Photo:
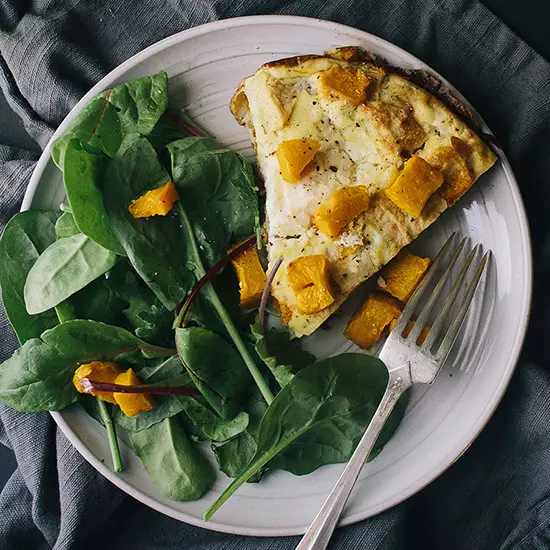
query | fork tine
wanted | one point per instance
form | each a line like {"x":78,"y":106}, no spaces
{"x":441,"y":317}
{"x":450,"y":337}
{"x":434,"y":296}
{"x":419,"y":292}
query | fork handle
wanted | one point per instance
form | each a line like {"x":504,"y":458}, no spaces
{"x":320,"y":531}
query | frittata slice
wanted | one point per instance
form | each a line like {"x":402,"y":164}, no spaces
{"x":357,"y":161}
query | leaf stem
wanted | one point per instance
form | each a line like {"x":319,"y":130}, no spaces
{"x":222,"y":311}
{"x":111,"y":434}
{"x":65,"y":312}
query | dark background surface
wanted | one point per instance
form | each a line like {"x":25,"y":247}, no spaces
{"x":530,"y":19}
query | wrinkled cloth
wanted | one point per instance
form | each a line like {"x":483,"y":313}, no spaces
{"x":497,"y":495}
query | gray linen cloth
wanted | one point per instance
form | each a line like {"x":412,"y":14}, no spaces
{"x":497,"y":495}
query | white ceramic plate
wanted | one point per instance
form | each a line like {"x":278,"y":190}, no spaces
{"x":205,"y":65}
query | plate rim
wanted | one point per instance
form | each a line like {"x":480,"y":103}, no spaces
{"x":461,"y":447}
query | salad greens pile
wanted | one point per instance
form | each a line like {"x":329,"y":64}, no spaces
{"x":92,"y":283}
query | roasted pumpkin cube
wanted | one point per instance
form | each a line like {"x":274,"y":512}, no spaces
{"x":156,"y":202}
{"x":251,"y":276}
{"x":98,"y":372}
{"x":408,"y":327}
{"x":414,"y":185}
{"x":294,"y":155}
{"x":453,"y":162}
{"x":309,"y":278}
{"x":344,"y":205}
{"x":284,"y":310}
{"x":345,"y":84}
{"x":367,"y":325}
{"x":403,"y":274}
{"x":132,"y":404}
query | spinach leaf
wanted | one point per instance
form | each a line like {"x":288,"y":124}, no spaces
{"x":343,"y":391}
{"x":217,"y":188}
{"x":215,"y":367}
{"x":150,"y":320}
{"x":131,"y":108}
{"x":82,"y":171}
{"x":283,"y":356}
{"x":65,"y":226}
{"x":64,"y":268}
{"x":224,"y":430}
{"x":236,"y":454}
{"x":167,"y":373}
{"x":25,"y":237}
{"x":154,"y":246}
{"x":38,"y":376}
{"x":176,"y":466}
{"x":98,"y":302}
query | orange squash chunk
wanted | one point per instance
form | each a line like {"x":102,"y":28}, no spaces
{"x":251,"y":275}
{"x":345,"y":84}
{"x":156,"y":202}
{"x":284,"y":310}
{"x":132,"y":404}
{"x":344,"y":205}
{"x":294,"y":155}
{"x":403,"y":274}
{"x":367,"y":325}
{"x":415,"y":184}
{"x":407,"y":330}
{"x":453,"y":162}
{"x":309,"y":278}
{"x":98,"y":372}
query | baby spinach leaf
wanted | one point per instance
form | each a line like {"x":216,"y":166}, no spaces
{"x":167,"y":373}
{"x":154,"y":246}
{"x":224,"y":430}
{"x":144,"y":311}
{"x":64,"y":268}
{"x":215,"y":367}
{"x":234,"y":455}
{"x":98,"y":302}
{"x":217,"y":189}
{"x":82,"y":171}
{"x":25,"y":237}
{"x":283,"y":356}
{"x":131,"y":108}
{"x":65,"y":226}
{"x":38,"y":376}
{"x":343,"y":391}
{"x":176,"y":466}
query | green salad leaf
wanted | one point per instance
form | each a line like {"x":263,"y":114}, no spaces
{"x":235,"y":455}
{"x":283,"y":356}
{"x":25,"y":237}
{"x":342,"y":391}
{"x":131,"y":108}
{"x":38,"y":376}
{"x":217,"y":189}
{"x":176,"y":466}
{"x":82,"y":176}
{"x":65,"y":267}
{"x":167,"y":373}
{"x":225,"y":430}
{"x":65,"y":226}
{"x":154,"y":246}
{"x":143,"y":311}
{"x":215,"y":367}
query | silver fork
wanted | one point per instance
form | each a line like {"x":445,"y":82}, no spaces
{"x":408,"y":363}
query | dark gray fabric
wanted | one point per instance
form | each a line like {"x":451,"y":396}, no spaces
{"x":497,"y":495}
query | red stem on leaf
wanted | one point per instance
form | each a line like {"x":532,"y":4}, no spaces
{"x":90,"y":386}
{"x":192,"y":129}
{"x":249,"y":243}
